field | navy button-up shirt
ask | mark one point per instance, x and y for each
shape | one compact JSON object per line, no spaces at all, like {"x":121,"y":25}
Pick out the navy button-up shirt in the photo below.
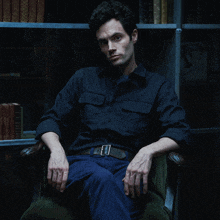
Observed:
{"x":102,"y":108}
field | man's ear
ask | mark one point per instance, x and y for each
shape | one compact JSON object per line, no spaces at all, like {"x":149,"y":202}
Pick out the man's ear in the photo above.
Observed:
{"x":134,"y":36}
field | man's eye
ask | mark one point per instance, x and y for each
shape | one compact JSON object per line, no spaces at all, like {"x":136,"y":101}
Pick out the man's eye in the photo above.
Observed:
{"x":101,"y":43}
{"x":117,"y":38}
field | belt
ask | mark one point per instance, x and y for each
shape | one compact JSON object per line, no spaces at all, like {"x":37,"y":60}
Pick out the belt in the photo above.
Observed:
{"x":108,"y":150}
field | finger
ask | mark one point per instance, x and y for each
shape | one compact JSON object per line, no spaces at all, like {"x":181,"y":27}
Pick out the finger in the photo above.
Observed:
{"x":126,"y":179}
{"x":59,"y":179}
{"x":137,"y":184}
{"x":54,"y":177}
{"x":49,"y":175}
{"x":131,"y":185}
{"x":145,"y":185}
{"x":64,"y":180}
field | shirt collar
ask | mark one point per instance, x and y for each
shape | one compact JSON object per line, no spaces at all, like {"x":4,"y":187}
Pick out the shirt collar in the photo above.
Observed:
{"x":138,"y":77}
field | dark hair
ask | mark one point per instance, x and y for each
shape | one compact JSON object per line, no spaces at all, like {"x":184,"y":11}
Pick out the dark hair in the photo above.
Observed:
{"x":112,"y":9}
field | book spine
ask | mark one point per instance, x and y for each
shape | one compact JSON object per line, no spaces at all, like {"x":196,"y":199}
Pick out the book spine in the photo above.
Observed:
{"x":6,"y":125}
{"x":15,"y":10}
{"x":40,"y":10}
{"x":1,"y":122}
{"x":163,"y":11}
{"x":6,"y":10}
{"x":170,"y":11}
{"x":11,"y":121}
{"x":24,"y":11}
{"x":32,"y":10}
{"x":18,"y":120}
{"x":22,"y":122}
{"x":157,"y":11}
{"x":1,"y":10}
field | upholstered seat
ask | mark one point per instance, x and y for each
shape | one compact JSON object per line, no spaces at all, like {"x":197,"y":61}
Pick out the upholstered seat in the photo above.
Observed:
{"x":46,"y":203}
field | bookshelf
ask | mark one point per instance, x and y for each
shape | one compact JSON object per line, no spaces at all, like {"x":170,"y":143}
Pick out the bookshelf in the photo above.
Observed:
{"x":62,"y":38}
{"x":185,"y":17}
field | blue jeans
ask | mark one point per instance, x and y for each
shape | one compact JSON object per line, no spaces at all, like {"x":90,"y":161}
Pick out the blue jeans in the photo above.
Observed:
{"x":95,"y":190}
{"x":98,"y":180}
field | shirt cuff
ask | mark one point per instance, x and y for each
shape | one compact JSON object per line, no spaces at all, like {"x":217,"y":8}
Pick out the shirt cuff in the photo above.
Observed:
{"x":48,"y":125}
{"x":180,"y":136}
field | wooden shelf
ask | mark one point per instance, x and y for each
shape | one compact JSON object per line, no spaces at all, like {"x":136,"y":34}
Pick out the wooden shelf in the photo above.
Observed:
{"x":18,"y":142}
{"x":201,"y":26}
{"x":75,"y":25}
{"x":156,"y":26}
{"x":44,"y":25}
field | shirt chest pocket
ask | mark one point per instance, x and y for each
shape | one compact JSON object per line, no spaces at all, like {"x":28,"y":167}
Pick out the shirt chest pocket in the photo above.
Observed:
{"x":91,"y":106}
{"x":136,"y":115}
{"x":92,"y":99}
{"x":136,"y":112}
{"x":141,"y":108}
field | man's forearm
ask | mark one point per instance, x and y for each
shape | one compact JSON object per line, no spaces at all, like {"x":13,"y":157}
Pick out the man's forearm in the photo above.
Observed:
{"x":161,"y":146}
{"x":52,"y":141}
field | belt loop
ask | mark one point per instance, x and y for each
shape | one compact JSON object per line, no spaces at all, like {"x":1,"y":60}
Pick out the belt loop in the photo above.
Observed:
{"x":91,"y":151}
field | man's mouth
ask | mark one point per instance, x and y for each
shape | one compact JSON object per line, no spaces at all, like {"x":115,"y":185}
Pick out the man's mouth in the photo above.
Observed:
{"x":115,"y":57}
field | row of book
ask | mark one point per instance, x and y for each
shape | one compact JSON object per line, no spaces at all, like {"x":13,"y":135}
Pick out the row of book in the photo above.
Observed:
{"x":156,"y":11}
{"x":22,"y":10}
{"x":150,"y":11}
{"x":11,"y":121}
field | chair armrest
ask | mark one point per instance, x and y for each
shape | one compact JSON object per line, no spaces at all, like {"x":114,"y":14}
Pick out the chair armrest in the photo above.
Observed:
{"x":176,"y":158}
{"x":32,"y":150}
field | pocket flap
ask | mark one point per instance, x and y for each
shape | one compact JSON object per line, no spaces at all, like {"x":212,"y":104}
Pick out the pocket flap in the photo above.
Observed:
{"x":133,"y":106}
{"x":92,"y":98}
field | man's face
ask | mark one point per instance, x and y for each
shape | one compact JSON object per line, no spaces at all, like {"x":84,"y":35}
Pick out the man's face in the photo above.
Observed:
{"x":115,"y":43}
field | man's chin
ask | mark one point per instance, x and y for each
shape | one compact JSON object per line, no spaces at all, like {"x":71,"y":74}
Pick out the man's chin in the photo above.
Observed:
{"x":116,"y":63}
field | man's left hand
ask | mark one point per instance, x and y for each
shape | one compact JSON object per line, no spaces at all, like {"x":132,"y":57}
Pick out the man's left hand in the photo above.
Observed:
{"x":138,"y":170}
{"x":140,"y":166}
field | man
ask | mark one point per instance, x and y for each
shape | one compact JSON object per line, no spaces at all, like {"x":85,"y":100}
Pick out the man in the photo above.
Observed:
{"x":128,"y":117}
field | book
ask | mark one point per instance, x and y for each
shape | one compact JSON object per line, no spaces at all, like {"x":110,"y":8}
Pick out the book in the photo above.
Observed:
{"x":40,"y":10}
{"x":5,"y":121}
{"x":17,"y":120}
{"x":163,"y":11}
{"x":157,"y":11}
{"x":24,"y":11}
{"x":170,"y":11}
{"x":15,"y":10}
{"x":1,"y":13}
{"x":6,"y":6}
{"x":146,"y":12}
{"x":11,"y":121}
{"x":32,"y":11}
{"x":10,"y":74}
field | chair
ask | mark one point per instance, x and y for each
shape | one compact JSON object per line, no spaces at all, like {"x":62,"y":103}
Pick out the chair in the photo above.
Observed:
{"x":46,"y":203}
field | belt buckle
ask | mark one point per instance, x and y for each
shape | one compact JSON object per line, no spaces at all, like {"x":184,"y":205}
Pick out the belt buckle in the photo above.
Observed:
{"x":105,"y":150}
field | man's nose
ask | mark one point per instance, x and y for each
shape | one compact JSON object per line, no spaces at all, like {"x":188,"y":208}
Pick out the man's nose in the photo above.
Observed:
{"x":111,"y":46}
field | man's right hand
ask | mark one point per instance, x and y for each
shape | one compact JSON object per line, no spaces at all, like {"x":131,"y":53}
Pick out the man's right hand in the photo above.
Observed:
{"x":58,"y":169}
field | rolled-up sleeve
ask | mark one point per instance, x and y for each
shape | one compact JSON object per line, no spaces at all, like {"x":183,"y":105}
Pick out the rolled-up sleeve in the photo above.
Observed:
{"x":172,"y":116}
{"x":61,"y":114}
